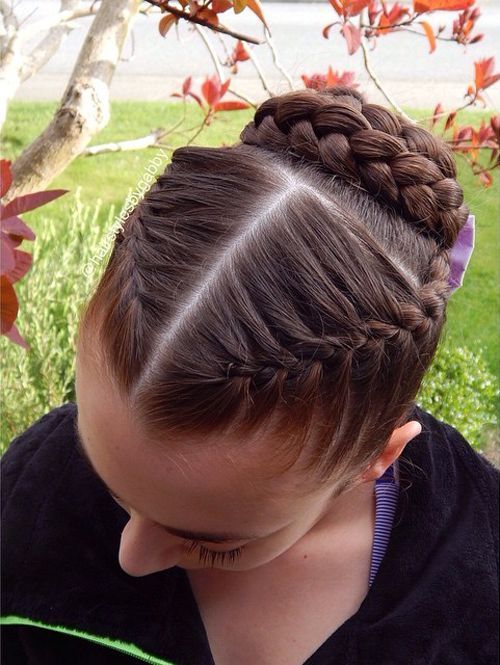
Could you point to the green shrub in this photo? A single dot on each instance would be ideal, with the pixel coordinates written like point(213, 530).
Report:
point(458, 388)
point(50, 297)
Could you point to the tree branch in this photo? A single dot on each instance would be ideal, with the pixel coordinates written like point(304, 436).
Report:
point(471, 102)
point(259, 71)
point(164, 6)
point(277, 63)
point(377, 82)
point(211, 51)
point(231, 89)
point(148, 141)
point(48, 22)
point(51, 43)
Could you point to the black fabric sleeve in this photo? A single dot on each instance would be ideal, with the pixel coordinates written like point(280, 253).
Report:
point(483, 474)
point(25, 444)
point(30, 645)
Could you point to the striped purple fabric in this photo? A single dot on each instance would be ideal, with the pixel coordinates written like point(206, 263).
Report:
point(386, 499)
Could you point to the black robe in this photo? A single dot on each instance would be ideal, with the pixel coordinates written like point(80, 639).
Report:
point(434, 600)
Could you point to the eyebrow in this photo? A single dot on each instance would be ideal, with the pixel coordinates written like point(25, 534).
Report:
point(190, 535)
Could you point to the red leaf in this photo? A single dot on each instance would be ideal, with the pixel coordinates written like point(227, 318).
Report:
point(326, 29)
point(23, 261)
point(220, 6)
point(16, 226)
point(256, 7)
point(31, 201)
point(389, 20)
point(485, 132)
point(421, 6)
point(450, 120)
point(373, 10)
point(210, 89)
point(495, 123)
point(7, 253)
point(484, 76)
point(430, 35)
point(186, 85)
point(352, 36)
point(337, 5)
point(9, 305)
point(208, 15)
point(224, 87)
point(231, 106)
point(384, 26)
point(349, 7)
point(195, 97)
point(464, 133)
point(5, 176)
point(239, 52)
point(354, 7)
point(436, 114)
point(14, 336)
point(486, 178)
point(166, 23)
point(336, 78)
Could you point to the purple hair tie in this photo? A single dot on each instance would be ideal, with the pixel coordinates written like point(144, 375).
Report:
point(460, 253)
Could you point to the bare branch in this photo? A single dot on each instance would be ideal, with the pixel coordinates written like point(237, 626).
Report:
point(211, 50)
point(422, 34)
point(277, 63)
point(148, 141)
point(409, 21)
point(259, 71)
point(377, 82)
point(231, 89)
point(471, 102)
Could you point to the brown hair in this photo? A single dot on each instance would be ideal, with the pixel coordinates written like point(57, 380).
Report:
point(295, 281)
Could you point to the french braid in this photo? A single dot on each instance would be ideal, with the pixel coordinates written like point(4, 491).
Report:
point(400, 164)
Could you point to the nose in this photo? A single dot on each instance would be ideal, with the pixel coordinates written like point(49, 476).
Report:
point(145, 548)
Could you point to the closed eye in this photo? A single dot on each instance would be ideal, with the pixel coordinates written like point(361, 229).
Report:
point(204, 552)
point(213, 556)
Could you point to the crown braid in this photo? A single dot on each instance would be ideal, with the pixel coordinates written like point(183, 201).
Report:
point(402, 165)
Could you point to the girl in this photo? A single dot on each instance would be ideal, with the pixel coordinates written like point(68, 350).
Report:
point(246, 478)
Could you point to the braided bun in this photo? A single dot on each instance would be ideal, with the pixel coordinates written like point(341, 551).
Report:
point(400, 164)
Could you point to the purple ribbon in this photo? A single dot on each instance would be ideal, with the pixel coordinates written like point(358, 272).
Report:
point(461, 252)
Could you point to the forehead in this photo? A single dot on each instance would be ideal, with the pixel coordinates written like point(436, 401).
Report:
point(213, 480)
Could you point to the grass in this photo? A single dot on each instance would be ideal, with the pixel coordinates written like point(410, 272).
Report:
point(473, 311)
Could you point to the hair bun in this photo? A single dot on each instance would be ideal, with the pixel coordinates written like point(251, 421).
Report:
point(345, 93)
point(401, 164)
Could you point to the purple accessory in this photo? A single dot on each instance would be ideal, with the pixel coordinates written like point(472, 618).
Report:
point(460, 253)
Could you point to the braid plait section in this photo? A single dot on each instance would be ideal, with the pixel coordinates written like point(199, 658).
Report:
point(126, 284)
point(400, 164)
point(367, 338)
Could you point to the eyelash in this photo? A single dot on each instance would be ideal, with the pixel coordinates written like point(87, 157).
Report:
point(205, 553)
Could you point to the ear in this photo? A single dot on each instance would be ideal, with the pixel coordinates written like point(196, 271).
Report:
point(393, 449)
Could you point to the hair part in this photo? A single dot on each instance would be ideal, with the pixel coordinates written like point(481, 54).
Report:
point(295, 282)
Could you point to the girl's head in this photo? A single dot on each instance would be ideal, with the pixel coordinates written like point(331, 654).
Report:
point(265, 320)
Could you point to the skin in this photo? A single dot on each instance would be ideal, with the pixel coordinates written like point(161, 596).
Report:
point(214, 488)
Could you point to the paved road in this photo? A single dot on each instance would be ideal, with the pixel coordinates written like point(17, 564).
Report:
point(155, 67)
